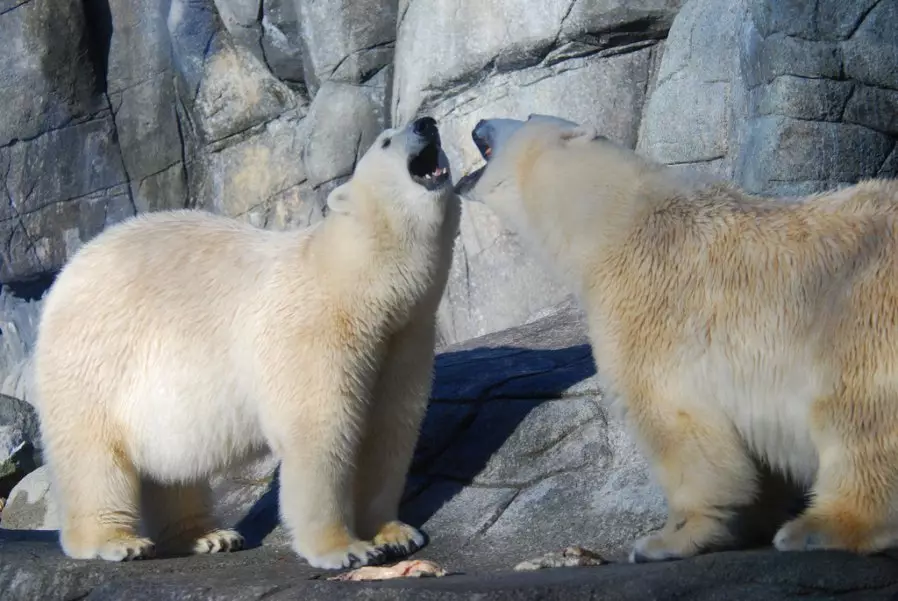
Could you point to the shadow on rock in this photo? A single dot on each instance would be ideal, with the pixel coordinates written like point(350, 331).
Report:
point(480, 398)
point(263, 517)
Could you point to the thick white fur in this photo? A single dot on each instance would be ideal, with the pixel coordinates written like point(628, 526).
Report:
point(731, 329)
point(178, 343)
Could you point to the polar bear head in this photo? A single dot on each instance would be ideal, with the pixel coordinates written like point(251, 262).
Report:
point(531, 166)
point(404, 171)
point(565, 189)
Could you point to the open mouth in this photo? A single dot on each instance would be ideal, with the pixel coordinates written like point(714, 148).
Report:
point(483, 146)
point(425, 167)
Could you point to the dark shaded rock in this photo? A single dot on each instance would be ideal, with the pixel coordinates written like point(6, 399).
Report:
point(802, 98)
point(875, 108)
point(823, 19)
point(872, 50)
point(282, 41)
point(54, 204)
point(44, 82)
point(770, 94)
point(796, 157)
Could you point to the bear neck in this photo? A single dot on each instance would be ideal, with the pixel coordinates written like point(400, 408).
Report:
point(373, 246)
point(577, 228)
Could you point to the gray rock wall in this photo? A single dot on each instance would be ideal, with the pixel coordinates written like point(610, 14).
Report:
point(785, 98)
point(258, 108)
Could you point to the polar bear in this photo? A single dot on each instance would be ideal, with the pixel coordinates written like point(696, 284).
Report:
point(731, 329)
point(178, 343)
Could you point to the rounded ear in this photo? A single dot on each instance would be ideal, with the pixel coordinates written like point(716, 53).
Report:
point(539, 117)
point(339, 200)
point(580, 132)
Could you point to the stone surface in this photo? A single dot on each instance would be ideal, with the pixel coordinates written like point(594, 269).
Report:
point(693, 114)
point(346, 41)
point(20, 442)
point(800, 104)
point(495, 282)
point(45, 81)
point(445, 47)
point(342, 123)
point(19, 317)
point(31, 566)
point(30, 506)
point(282, 42)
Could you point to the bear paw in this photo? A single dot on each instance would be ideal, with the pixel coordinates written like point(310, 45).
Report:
point(654, 547)
point(356, 555)
point(808, 533)
point(126, 548)
point(398, 539)
point(218, 540)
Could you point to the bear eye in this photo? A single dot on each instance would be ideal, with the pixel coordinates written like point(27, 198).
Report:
point(385, 143)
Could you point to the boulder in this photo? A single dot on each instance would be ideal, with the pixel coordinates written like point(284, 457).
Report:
point(20, 308)
point(432, 64)
point(19, 442)
point(796, 106)
point(346, 41)
point(243, 126)
point(30, 505)
point(343, 120)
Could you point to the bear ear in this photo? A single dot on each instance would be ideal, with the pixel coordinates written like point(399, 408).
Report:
point(583, 133)
point(338, 200)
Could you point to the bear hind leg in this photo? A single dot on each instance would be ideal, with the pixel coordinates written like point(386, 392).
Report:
point(179, 517)
point(853, 498)
point(99, 504)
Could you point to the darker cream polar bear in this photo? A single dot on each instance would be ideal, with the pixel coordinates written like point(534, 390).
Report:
point(178, 343)
point(730, 328)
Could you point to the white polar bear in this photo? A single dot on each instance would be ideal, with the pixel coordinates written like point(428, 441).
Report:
point(178, 343)
point(733, 330)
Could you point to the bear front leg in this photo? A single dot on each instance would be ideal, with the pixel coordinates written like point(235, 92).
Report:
point(705, 472)
point(314, 427)
point(391, 432)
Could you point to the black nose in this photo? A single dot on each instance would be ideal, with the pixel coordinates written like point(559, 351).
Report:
point(426, 127)
point(479, 129)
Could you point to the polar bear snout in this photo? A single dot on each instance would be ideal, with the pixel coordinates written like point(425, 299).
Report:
point(427, 165)
point(490, 134)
